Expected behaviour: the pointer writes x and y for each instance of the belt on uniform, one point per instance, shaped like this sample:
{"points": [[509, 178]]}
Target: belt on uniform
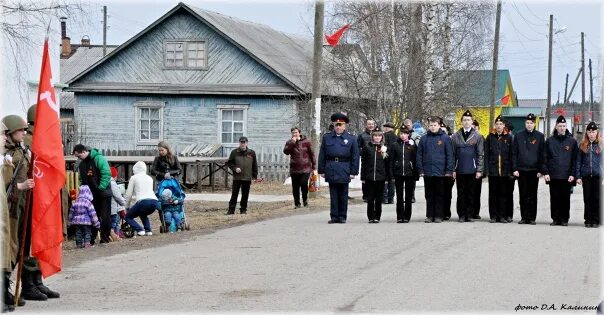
{"points": [[338, 159]]}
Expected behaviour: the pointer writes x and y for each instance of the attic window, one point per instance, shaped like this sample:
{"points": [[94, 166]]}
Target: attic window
{"points": [[185, 54]]}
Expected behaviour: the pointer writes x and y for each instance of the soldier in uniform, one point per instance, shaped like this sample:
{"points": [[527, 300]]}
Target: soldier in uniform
{"points": [[435, 164], [589, 174], [15, 174], [468, 147], [559, 170], [362, 140], [7, 305], [528, 149], [498, 167], [338, 163], [415, 139], [478, 181]]}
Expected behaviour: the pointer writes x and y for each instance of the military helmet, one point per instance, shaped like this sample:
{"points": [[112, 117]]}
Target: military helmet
{"points": [[14, 123], [31, 114], [3, 127]]}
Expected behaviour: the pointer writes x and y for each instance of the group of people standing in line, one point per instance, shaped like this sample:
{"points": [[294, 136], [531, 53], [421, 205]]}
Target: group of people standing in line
{"points": [[391, 163]]}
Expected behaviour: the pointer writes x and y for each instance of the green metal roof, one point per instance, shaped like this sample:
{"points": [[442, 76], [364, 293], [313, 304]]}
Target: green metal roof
{"points": [[520, 111], [474, 86]]}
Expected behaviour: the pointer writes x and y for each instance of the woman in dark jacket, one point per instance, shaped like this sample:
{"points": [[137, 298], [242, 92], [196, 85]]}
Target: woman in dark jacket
{"points": [[589, 174], [302, 162], [375, 171], [403, 169], [165, 165]]}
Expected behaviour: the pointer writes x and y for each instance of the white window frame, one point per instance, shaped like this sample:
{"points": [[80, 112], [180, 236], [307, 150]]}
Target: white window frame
{"points": [[245, 108], [185, 61], [138, 105]]}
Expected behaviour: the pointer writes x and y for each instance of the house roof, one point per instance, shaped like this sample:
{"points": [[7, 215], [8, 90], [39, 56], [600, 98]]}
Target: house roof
{"points": [[288, 56], [508, 111], [474, 86], [81, 59], [534, 102]]}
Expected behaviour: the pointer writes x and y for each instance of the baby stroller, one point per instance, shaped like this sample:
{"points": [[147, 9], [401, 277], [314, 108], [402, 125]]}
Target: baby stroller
{"points": [[125, 228], [177, 193]]}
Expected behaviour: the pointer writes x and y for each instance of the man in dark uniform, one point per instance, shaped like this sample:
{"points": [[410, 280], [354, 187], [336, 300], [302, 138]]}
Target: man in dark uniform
{"points": [[338, 163], [559, 168], [449, 180], [409, 124], [390, 139], [509, 206], [362, 140], [478, 181], [528, 148], [468, 147], [498, 167], [435, 164]]}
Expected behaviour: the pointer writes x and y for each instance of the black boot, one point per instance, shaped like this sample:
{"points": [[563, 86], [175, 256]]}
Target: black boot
{"points": [[9, 298], [44, 289], [7, 305], [30, 291]]}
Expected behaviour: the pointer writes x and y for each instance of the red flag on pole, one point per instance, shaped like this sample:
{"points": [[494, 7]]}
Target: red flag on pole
{"points": [[49, 176], [333, 40], [505, 99]]}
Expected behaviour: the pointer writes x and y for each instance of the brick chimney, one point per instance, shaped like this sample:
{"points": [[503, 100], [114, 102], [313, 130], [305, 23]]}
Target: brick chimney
{"points": [[85, 41], [65, 41]]}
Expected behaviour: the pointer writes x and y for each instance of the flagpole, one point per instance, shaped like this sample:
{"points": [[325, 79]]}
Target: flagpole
{"points": [[24, 224]]}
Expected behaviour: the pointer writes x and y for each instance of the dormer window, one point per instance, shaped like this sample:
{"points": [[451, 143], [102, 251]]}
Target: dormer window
{"points": [[185, 54]]}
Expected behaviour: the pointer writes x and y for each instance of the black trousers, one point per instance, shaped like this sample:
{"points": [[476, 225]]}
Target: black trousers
{"points": [[498, 193], [404, 194], [300, 183], [465, 194], [476, 198], [338, 201], [375, 190], [388, 191], [244, 185], [102, 207], [448, 195], [528, 183], [364, 190], [559, 193], [434, 189], [412, 189], [591, 198], [509, 200]]}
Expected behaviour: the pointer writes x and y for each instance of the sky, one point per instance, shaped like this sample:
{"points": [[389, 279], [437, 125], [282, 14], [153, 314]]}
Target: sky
{"points": [[523, 41]]}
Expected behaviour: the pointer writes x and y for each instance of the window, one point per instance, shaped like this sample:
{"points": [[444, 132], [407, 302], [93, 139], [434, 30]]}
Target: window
{"points": [[185, 54], [232, 122], [149, 121]]}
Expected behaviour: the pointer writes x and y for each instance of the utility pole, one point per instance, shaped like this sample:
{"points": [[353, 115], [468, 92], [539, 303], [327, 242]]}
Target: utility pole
{"points": [[583, 80], [495, 56], [104, 30], [565, 89], [316, 77], [548, 109], [591, 91]]}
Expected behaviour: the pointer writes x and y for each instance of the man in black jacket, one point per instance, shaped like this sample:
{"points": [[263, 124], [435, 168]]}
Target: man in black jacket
{"points": [[498, 167], [528, 148], [477, 182], [559, 169], [390, 139], [242, 161], [362, 140]]}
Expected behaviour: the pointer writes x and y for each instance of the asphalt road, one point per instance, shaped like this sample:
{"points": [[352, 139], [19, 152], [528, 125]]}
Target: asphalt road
{"points": [[300, 263]]}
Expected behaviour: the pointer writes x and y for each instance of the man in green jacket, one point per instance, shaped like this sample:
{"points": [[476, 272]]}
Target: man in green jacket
{"points": [[95, 172], [242, 161]]}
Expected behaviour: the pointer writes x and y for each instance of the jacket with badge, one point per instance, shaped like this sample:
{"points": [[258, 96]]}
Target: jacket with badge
{"points": [[338, 157], [589, 164], [435, 155], [246, 161], [561, 153], [469, 153], [528, 150], [375, 162], [498, 155], [403, 159], [96, 174]]}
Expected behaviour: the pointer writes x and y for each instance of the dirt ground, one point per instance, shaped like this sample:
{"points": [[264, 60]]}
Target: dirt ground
{"points": [[261, 188], [203, 217]]}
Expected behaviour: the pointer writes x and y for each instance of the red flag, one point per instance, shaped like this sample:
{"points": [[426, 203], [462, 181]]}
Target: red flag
{"points": [[505, 99], [49, 176], [577, 118], [560, 111], [333, 40]]}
